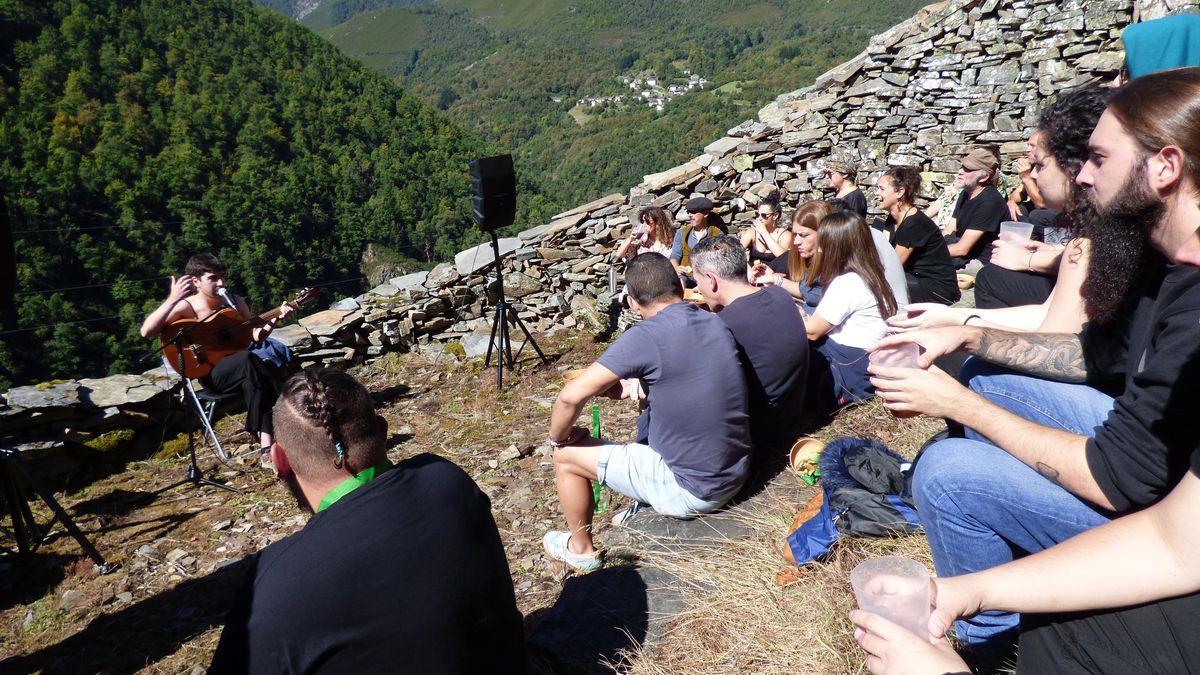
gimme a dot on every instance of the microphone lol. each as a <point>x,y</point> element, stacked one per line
<point>224,293</point>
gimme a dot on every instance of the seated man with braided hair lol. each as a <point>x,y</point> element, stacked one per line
<point>400,569</point>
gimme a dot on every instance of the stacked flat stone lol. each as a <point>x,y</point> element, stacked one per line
<point>957,74</point>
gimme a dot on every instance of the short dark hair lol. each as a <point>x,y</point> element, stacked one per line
<point>320,409</point>
<point>202,263</point>
<point>724,256</point>
<point>905,178</point>
<point>651,278</point>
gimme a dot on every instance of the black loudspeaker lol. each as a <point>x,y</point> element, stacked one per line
<point>494,188</point>
<point>8,258</point>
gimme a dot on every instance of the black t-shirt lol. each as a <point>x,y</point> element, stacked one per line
<point>1145,445</point>
<point>930,260</point>
<point>404,574</point>
<point>857,202</point>
<point>774,350</point>
<point>984,213</point>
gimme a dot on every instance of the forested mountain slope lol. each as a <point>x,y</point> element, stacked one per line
<point>514,71</point>
<point>133,134</point>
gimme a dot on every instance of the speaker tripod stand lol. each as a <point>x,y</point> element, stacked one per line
<point>15,476</point>
<point>505,315</point>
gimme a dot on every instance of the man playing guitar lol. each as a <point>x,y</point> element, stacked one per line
<point>197,295</point>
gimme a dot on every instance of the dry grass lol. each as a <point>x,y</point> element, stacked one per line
<point>739,620</point>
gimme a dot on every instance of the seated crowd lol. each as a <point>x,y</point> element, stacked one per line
<point>1058,508</point>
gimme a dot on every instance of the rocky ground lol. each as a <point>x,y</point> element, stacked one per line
<point>178,551</point>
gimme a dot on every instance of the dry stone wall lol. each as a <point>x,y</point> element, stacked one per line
<point>957,74</point>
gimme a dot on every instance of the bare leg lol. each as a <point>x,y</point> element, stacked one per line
<point>574,471</point>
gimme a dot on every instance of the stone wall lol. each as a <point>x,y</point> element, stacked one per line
<point>956,74</point>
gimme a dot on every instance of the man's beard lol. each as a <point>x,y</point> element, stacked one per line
<point>1120,245</point>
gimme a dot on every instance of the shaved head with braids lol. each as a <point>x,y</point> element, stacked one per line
<point>326,423</point>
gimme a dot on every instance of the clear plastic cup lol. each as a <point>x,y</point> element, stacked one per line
<point>895,588</point>
<point>1016,232</point>
<point>904,355</point>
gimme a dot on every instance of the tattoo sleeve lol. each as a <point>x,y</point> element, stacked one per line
<point>1053,356</point>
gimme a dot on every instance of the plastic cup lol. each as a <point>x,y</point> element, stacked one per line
<point>904,355</point>
<point>895,588</point>
<point>1016,232</point>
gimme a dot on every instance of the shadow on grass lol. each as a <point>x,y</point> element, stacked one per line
<point>390,395</point>
<point>26,579</point>
<point>598,619</point>
<point>143,633</point>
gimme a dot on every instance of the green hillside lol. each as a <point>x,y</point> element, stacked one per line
<point>135,134</point>
<point>512,71</point>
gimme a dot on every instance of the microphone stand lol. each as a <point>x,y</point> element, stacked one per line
<point>194,475</point>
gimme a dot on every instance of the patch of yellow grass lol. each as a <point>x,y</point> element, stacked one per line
<point>739,620</point>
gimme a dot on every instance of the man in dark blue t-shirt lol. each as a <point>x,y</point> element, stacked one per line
<point>770,335</point>
<point>697,454</point>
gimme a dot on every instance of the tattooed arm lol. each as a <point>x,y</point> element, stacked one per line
<point>1054,356</point>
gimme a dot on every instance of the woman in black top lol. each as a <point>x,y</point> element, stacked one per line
<point>843,177</point>
<point>919,244</point>
<point>765,239</point>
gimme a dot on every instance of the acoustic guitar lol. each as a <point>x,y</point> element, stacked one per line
<point>206,342</point>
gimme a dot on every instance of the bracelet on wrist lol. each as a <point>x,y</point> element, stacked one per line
<point>968,319</point>
<point>1029,263</point>
<point>566,441</point>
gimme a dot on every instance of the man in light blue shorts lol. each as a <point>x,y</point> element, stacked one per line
<point>692,454</point>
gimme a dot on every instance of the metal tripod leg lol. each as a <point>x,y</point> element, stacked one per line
<point>24,526</point>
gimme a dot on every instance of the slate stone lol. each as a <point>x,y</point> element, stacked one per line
<point>119,390</point>
<point>295,336</point>
<point>481,257</point>
<point>326,323</point>
<point>517,285</point>
<point>410,282</point>
<point>41,396</point>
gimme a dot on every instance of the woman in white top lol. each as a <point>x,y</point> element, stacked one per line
<point>850,316</point>
<point>654,234</point>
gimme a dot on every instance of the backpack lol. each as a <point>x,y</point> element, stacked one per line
<point>867,492</point>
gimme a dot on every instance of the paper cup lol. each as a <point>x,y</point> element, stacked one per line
<point>895,588</point>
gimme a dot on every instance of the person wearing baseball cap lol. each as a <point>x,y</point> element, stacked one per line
<point>978,211</point>
<point>843,177</point>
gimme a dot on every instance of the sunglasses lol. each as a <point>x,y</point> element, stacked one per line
<point>767,214</point>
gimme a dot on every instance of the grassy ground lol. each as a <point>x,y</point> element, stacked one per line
<point>161,611</point>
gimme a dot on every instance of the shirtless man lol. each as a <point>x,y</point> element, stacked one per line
<point>197,295</point>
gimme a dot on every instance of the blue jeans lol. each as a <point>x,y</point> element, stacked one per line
<point>981,507</point>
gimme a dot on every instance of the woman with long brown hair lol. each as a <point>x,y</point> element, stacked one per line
<point>654,233</point>
<point>850,316</point>
<point>795,272</point>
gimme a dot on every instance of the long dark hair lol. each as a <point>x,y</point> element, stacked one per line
<point>846,246</point>
<point>661,228</point>
<point>807,215</point>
